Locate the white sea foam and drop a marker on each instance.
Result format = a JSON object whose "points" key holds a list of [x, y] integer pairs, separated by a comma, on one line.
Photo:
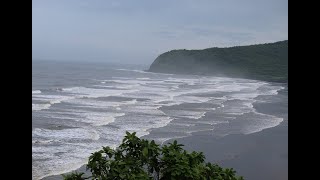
{"points": [[146, 109], [36, 92], [38, 107], [94, 103], [90, 117], [185, 114], [143, 125], [52, 99], [66, 135], [144, 72], [56, 160], [98, 118], [103, 122], [118, 86], [265, 121], [44, 141], [69, 89], [95, 93]]}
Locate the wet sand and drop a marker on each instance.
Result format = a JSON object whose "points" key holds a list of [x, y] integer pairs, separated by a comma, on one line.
{"points": [[262, 155]]}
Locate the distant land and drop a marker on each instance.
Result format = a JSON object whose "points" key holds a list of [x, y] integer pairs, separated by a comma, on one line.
{"points": [[267, 62]]}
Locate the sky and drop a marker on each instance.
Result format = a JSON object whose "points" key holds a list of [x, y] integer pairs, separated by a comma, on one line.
{"points": [[137, 31]]}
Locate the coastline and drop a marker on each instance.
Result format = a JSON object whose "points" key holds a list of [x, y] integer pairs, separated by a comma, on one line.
{"points": [[261, 155]]}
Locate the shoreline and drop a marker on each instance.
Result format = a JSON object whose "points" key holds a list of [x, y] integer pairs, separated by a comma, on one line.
{"points": [[224, 76], [235, 150], [244, 153], [260, 155]]}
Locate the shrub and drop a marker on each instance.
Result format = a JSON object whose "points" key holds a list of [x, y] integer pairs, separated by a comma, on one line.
{"points": [[140, 159]]}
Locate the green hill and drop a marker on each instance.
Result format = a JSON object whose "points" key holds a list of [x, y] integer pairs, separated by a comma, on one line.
{"points": [[267, 62]]}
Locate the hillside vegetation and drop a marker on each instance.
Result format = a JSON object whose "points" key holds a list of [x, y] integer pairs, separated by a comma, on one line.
{"points": [[267, 62]]}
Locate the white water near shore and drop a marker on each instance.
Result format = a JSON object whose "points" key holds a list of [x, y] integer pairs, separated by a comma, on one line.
{"points": [[80, 119]]}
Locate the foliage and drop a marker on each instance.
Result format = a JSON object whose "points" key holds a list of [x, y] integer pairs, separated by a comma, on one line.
{"points": [[139, 159], [73, 176], [267, 62]]}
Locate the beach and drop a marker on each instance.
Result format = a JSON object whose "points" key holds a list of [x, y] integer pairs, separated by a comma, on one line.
{"points": [[262, 155], [258, 156]]}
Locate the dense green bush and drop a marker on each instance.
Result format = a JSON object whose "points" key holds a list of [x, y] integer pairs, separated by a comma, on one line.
{"points": [[139, 159]]}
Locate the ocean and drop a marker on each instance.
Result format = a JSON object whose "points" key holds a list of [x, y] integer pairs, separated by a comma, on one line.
{"points": [[79, 107]]}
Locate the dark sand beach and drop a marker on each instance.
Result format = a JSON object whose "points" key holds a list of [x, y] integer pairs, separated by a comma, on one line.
{"points": [[257, 156], [262, 155]]}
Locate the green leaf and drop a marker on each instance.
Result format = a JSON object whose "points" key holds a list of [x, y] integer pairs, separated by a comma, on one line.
{"points": [[145, 152]]}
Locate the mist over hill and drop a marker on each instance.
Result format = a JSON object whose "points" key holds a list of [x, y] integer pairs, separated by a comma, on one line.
{"points": [[268, 62]]}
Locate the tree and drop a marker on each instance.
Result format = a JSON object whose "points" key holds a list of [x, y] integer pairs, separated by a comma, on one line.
{"points": [[140, 159]]}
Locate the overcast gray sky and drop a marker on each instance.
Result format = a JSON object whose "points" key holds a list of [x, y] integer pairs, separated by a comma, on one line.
{"points": [[137, 31]]}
